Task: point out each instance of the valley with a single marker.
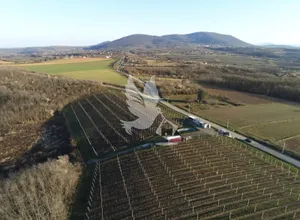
(73, 108)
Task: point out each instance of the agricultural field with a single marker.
(84, 69)
(235, 96)
(160, 63)
(206, 178)
(4, 62)
(268, 119)
(210, 57)
(211, 178)
(95, 124)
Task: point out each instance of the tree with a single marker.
(201, 95)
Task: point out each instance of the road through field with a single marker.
(253, 143)
(241, 137)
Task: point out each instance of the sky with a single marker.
(25, 23)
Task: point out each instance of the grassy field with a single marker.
(225, 59)
(293, 144)
(258, 116)
(235, 96)
(160, 63)
(4, 62)
(274, 122)
(86, 69)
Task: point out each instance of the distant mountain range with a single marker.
(134, 41)
(280, 46)
(46, 49)
(172, 41)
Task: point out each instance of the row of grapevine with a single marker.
(99, 116)
(211, 178)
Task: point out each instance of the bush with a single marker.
(26, 96)
(201, 95)
(43, 192)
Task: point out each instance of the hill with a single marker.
(46, 49)
(208, 38)
(173, 40)
(136, 40)
(32, 129)
(281, 46)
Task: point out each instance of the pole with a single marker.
(283, 147)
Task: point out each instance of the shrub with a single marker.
(43, 192)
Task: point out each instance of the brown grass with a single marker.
(27, 104)
(160, 63)
(64, 61)
(293, 144)
(41, 192)
(2, 62)
(236, 96)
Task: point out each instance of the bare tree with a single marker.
(41, 192)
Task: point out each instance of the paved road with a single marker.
(233, 134)
(241, 137)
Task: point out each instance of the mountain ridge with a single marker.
(172, 40)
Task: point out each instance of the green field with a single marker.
(92, 70)
(268, 120)
(272, 122)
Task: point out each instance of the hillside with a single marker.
(208, 38)
(171, 41)
(136, 40)
(32, 129)
(46, 49)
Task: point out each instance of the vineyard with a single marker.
(207, 178)
(95, 123)
(211, 178)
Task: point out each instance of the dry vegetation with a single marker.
(259, 102)
(34, 97)
(63, 61)
(31, 126)
(253, 80)
(41, 192)
(176, 87)
(235, 96)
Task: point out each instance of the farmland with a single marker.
(273, 122)
(269, 119)
(95, 122)
(212, 178)
(235, 96)
(84, 69)
(207, 178)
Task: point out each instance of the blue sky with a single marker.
(78, 22)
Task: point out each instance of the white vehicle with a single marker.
(199, 123)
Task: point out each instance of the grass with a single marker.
(262, 118)
(160, 63)
(226, 59)
(253, 115)
(78, 135)
(274, 131)
(84, 69)
(293, 144)
(2, 62)
(236, 96)
(272, 122)
(78, 208)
